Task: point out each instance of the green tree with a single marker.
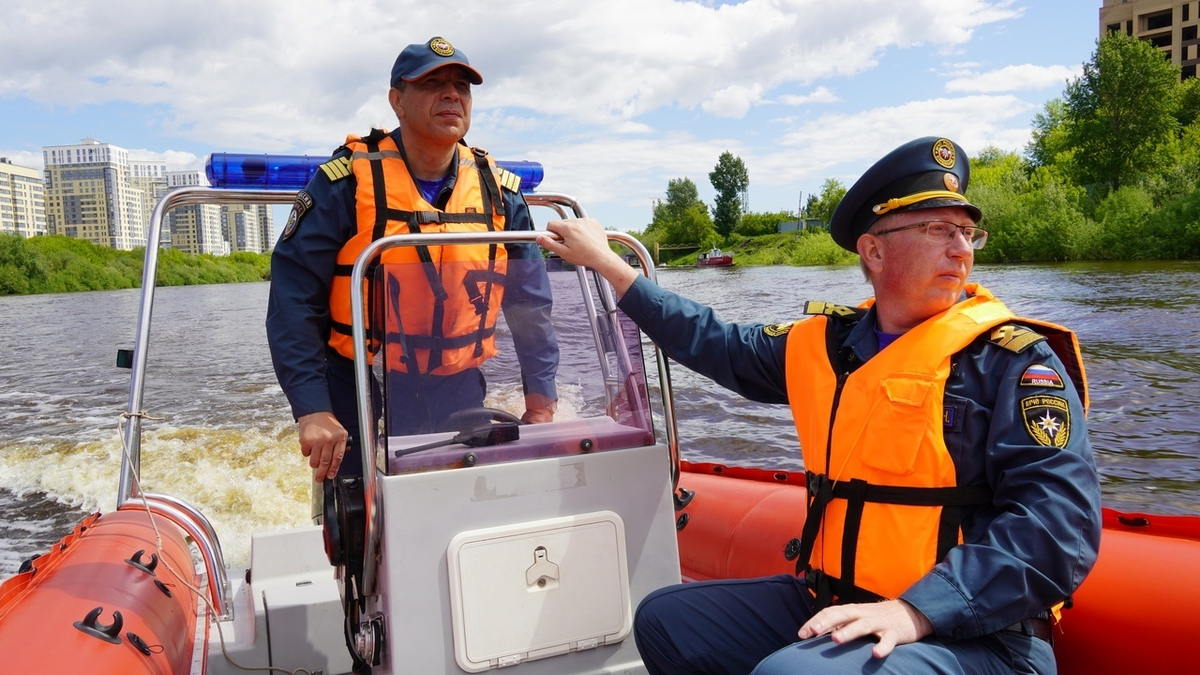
(1120, 110)
(823, 206)
(730, 180)
(757, 224)
(1048, 140)
(682, 218)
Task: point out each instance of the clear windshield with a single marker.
(470, 342)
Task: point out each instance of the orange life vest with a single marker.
(884, 501)
(441, 302)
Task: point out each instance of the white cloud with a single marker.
(615, 98)
(25, 158)
(1023, 77)
(818, 95)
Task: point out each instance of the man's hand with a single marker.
(538, 409)
(583, 243)
(894, 622)
(323, 442)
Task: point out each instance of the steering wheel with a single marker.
(462, 420)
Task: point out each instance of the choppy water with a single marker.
(226, 441)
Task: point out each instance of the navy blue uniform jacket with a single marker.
(1027, 551)
(302, 267)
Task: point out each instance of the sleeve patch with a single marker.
(1015, 338)
(1039, 375)
(303, 203)
(777, 329)
(1047, 419)
(828, 309)
(509, 180)
(336, 168)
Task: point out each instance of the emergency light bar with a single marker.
(292, 172)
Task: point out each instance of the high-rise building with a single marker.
(91, 194)
(1170, 25)
(195, 228)
(149, 180)
(22, 200)
(248, 227)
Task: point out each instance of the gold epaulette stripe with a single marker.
(509, 180)
(827, 308)
(1015, 338)
(336, 168)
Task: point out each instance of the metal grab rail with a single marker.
(189, 519)
(179, 512)
(368, 442)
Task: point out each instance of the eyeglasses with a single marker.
(942, 232)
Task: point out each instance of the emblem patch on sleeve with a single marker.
(1047, 419)
(303, 203)
(1039, 375)
(777, 329)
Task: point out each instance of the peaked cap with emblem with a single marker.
(418, 59)
(926, 173)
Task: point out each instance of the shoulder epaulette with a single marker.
(508, 180)
(336, 168)
(814, 307)
(1015, 338)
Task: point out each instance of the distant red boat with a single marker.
(715, 258)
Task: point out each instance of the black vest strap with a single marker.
(956, 503)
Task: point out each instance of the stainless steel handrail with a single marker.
(190, 520)
(368, 442)
(186, 516)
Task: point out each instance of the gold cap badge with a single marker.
(943, 153)
(441, 46)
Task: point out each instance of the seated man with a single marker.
(954, 500)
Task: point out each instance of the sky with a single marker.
(613, 98)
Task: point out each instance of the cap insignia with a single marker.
(441, 47)
(943, 153)
(951, 182)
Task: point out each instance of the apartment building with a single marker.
(195, 228)
(1170, 25)
(248, 227)
(91, 194)
(22, 200)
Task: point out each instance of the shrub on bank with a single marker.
(57, 264)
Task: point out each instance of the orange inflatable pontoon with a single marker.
(103, 601)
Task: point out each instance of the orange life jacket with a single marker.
(884, 500)
(441, 302)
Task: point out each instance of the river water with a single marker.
(225, 440)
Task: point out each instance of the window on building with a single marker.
(1187, 72)
(1189, 33)
(1129, 27)
(1163, 40)
(1114, 27)
(1158, 20)
(1184, 16)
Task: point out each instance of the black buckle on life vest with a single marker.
(820, 489)
(821, 586)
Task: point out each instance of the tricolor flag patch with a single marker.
(1039, 375)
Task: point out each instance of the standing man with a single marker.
(954, 503)
(442, 301)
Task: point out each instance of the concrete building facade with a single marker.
(1170, 25)
(22, 200)
(195, 228)
(91, 194)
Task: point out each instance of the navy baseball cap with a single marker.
(927, 173)
(419, 59)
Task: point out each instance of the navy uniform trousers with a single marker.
(740, 626)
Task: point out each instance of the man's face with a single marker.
(435, 108)
(916, 276)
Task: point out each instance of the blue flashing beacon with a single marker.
(292, 172)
